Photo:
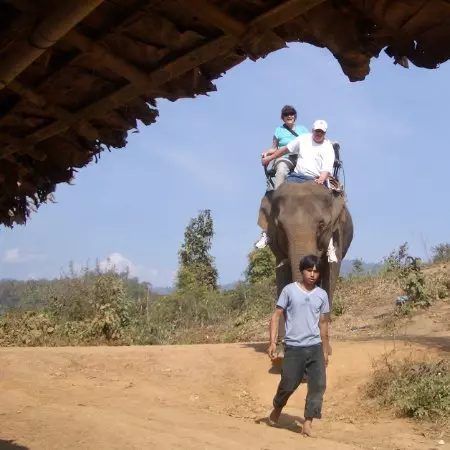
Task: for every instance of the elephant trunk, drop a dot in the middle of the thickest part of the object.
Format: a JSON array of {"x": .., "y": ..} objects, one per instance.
[{"x": 300, "y": 244}]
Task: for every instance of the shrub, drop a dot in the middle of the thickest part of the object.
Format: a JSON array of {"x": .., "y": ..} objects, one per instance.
[
  {"x": 416, "y": 389},
  {"x": 407, "y": 271},
  {"x": 441, "y": 253},
  {"x": 261, "y": 265},
  {"x": 337, "y": 308}
]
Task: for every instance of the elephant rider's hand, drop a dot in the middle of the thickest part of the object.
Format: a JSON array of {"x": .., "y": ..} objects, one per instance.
[
  {"x": 266, "y": 159},
  {"x": 272, "y": 350},
  {"x": 320, "y": 180}
]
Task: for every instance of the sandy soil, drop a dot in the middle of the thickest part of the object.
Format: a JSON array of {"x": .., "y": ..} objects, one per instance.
[{"x": 190, "y": 397}]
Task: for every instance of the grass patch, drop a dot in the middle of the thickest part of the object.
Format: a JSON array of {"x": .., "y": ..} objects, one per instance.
[
  {"x": 337, "y": 308},
  {"x": 417, "y": 389}
]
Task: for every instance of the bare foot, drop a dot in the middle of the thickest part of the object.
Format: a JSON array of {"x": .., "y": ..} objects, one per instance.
[
  {"x": 307, "y": 427},
  {"x": 275, "y": 415}
]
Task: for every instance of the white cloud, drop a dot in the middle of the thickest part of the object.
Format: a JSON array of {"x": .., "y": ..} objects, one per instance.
[
  {"x": 119, "y": 262},
  {"x": 15, "y": 256}
]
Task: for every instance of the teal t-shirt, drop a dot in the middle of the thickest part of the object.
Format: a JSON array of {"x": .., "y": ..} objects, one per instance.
[{"x": 284, "y": 136}]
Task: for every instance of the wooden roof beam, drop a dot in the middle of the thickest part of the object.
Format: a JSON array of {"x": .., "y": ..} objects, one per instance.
[
  {"x": 106, "y": 58},
  {"x": 50, "y": 30},
  {"x": 283, "y": 13},
  {"x": 201, "y": 55},
  {"x": 216, "y": 17},
  {"x": 89, "y": 131},
  {"x": 228, "y": 24},
  {"x": 30, "y": 7}
]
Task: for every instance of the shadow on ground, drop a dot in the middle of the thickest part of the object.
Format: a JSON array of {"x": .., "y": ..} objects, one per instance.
[
  {"x": 286, "y": 421},
  {"x": 261, "y": 347},
  {"x": 11, "y": 445}
]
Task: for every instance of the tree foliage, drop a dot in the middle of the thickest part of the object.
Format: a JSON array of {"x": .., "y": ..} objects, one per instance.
[
  {"x": 196, "y": 265},
  {"x": 408, "y": 271},
  {"x": 261, "y": 265},
  {"x": 358, "y": 266},
  {"x": 441, "y": 253}
]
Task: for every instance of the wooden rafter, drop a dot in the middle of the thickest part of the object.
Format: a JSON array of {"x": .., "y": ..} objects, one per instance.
[
  {"x": 229, "y": 25},
  {"x": 52, "y": 28},
  {"x": 119, "y": 65},
  {"x": 88, "y": 130},
  {"x": 202, "y": 54},
  {"x": 60, "y": 113}
]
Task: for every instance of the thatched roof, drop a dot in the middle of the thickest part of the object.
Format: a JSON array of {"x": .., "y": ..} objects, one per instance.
[{"x": 76, "y": 76}]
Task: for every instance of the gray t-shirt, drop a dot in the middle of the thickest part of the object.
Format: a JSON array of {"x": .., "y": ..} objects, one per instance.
[{"x": 302, "y": 310}]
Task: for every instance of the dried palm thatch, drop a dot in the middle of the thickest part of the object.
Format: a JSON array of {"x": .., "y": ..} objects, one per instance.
[{"x": 77, "y": 75}]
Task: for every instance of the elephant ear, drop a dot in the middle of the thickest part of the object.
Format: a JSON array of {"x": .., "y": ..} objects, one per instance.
[
  {"x": 264, "y": 211},
  {"x": 337, "y": 208}
]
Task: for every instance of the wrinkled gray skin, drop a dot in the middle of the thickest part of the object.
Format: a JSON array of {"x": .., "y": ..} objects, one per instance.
[{"x": 300, "y": 219}]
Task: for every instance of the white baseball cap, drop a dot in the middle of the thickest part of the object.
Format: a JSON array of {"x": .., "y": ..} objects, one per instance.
[{"x": 320, "y": 125}]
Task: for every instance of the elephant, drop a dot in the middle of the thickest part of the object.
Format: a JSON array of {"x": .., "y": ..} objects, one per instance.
[{"x": 300, "y": 219}]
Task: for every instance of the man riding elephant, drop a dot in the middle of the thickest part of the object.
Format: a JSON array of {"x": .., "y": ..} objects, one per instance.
[{"x": 315, "y": 155}]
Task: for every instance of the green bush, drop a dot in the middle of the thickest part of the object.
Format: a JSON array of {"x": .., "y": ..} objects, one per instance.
[
  {"x": 337, "y": 308},
  {"x": 407, "y": 271},
  {"x": 416, "y": 389},
  {"x": 441, "y": 253},
  {"x": 261, "y": 266}
]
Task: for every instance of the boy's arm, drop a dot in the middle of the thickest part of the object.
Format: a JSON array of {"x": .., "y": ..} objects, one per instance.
[
  {"x": 282, "y": 304},
  {"x": 273, "y": 331},
  {"x": 323, "y": 327}
]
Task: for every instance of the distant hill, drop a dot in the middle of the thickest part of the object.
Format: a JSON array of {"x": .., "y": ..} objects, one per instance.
[
  {"x": 163, "y": 290},
  {"x": 347, "y": 267}
]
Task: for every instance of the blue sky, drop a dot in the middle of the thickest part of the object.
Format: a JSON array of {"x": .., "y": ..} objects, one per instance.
[{"x": 135, "y": 203}]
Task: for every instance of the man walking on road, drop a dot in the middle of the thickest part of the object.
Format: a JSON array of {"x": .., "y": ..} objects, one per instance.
[{"x": 306, "y": 310}]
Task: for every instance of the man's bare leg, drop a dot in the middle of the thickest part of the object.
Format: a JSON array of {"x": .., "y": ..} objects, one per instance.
[
  {"x": 307, "y": 427},
  {"x": 275, "y": 415}
]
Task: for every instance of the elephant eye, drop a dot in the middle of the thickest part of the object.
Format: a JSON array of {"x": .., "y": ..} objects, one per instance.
[{"x": 321, "y": 224}]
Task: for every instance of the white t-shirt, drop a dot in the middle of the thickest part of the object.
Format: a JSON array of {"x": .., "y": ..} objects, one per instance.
[{"x": 313, "y": 158}]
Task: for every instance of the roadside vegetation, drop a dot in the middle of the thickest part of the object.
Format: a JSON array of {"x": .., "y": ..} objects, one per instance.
[{"x": 107, "y": 307}]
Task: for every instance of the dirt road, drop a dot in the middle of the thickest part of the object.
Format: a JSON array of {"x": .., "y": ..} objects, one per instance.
[{"x": 186, "y": 397}]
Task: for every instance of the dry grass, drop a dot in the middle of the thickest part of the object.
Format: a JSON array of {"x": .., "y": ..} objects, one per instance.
[{"x": 418, "y": 389}]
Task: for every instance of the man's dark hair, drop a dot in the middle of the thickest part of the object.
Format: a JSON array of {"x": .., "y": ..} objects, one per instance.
[
  {"x": 309, "y": 261},
  {"x": 288, "y": 109}
]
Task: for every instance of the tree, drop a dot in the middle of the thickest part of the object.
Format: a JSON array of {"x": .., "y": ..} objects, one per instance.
[
  {"x": 358, "y": 266},
  {"x": 261, "y": 265},
  {"x": 396, "y": 259},
  {"x": 441, "y": 253},
  {"x": 196, "y": 265}
]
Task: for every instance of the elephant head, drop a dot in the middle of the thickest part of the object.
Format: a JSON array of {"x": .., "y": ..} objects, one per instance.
[{"x": 301, "y": 218}]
